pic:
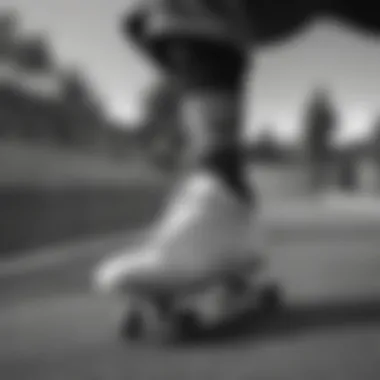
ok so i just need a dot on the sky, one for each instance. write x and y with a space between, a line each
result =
85 33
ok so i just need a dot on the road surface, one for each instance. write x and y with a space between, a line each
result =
328 260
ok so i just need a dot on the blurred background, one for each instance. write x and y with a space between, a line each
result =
89 151
87 147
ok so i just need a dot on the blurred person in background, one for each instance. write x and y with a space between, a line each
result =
320 126
348 170
376 153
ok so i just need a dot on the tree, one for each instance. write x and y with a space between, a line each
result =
9 97
75 87
82 113
8 33
33 53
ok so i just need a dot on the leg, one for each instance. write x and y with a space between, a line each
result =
215 208
211 113
212 74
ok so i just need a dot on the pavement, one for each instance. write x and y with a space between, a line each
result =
326 256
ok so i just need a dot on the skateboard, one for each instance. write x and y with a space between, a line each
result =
174 320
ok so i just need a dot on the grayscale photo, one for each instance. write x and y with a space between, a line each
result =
189 189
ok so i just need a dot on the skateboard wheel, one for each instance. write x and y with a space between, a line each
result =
147 322
187 325
133 325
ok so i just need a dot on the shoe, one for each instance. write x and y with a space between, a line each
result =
207 233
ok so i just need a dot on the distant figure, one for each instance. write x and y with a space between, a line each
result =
348 180
376 153
320 125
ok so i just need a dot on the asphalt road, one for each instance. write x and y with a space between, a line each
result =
327 259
